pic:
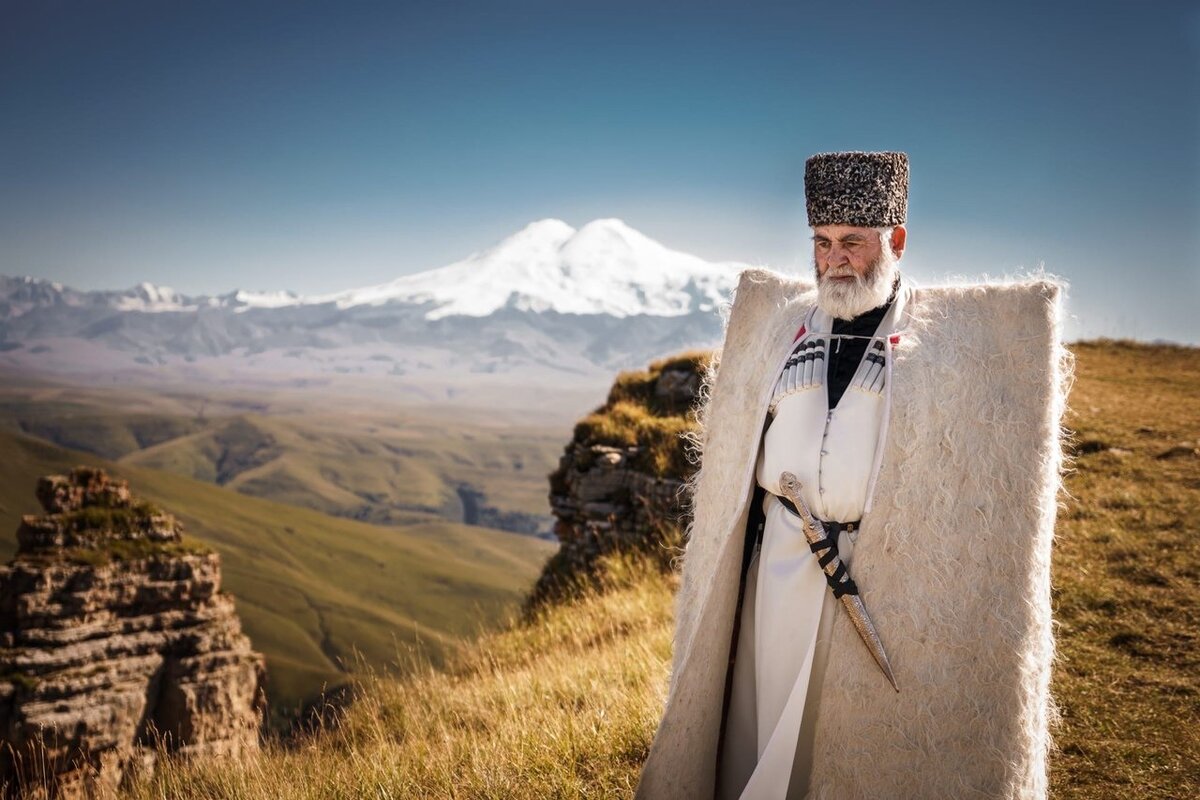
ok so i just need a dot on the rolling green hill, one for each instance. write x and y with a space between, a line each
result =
391 467
316 592
385 471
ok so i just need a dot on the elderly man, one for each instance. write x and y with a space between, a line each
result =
923 433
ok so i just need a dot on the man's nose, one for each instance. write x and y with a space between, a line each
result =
836 256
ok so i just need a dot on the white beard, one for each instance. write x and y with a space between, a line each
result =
846 300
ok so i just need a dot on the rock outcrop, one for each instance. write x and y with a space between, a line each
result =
620 482
115 640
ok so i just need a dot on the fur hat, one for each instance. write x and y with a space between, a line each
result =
869 190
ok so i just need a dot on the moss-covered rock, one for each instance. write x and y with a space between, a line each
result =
619 486
93 518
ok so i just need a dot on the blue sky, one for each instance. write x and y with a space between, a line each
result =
317 147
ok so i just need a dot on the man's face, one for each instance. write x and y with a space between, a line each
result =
855 272
844 252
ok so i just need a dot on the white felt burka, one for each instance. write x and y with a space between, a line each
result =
953 558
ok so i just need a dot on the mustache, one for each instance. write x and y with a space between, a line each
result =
841 272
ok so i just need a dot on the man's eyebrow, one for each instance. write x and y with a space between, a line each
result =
850 237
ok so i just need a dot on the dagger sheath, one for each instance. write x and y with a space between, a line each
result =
839 578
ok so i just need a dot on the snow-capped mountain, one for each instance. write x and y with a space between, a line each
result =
21 295
548 300
150 298
605 267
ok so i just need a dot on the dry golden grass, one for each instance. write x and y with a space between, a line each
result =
565 705
1127 578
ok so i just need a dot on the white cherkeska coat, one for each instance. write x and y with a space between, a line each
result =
788 610
953 558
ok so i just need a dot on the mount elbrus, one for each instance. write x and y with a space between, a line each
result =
547 305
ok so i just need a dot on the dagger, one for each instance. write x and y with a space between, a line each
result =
836 575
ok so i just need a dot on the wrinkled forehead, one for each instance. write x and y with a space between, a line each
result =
844 233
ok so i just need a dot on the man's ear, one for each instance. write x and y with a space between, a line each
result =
899 237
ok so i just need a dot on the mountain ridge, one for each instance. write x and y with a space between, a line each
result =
548 265
548 308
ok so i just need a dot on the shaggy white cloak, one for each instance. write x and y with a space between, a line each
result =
953 558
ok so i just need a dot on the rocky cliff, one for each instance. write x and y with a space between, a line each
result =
620 482
115 639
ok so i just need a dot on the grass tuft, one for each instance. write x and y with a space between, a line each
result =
638 415
626 425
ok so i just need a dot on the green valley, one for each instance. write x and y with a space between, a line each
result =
322 597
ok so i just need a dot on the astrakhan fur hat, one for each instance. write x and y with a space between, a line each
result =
868 190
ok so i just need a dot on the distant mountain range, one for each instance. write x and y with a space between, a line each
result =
549 303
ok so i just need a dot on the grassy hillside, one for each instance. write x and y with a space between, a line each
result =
387 466
390 471
565 705
317 593
1127 577
107 433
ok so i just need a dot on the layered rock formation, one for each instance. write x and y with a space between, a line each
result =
620 482
115 639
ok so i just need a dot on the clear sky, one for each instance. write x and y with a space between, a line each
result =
322 146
